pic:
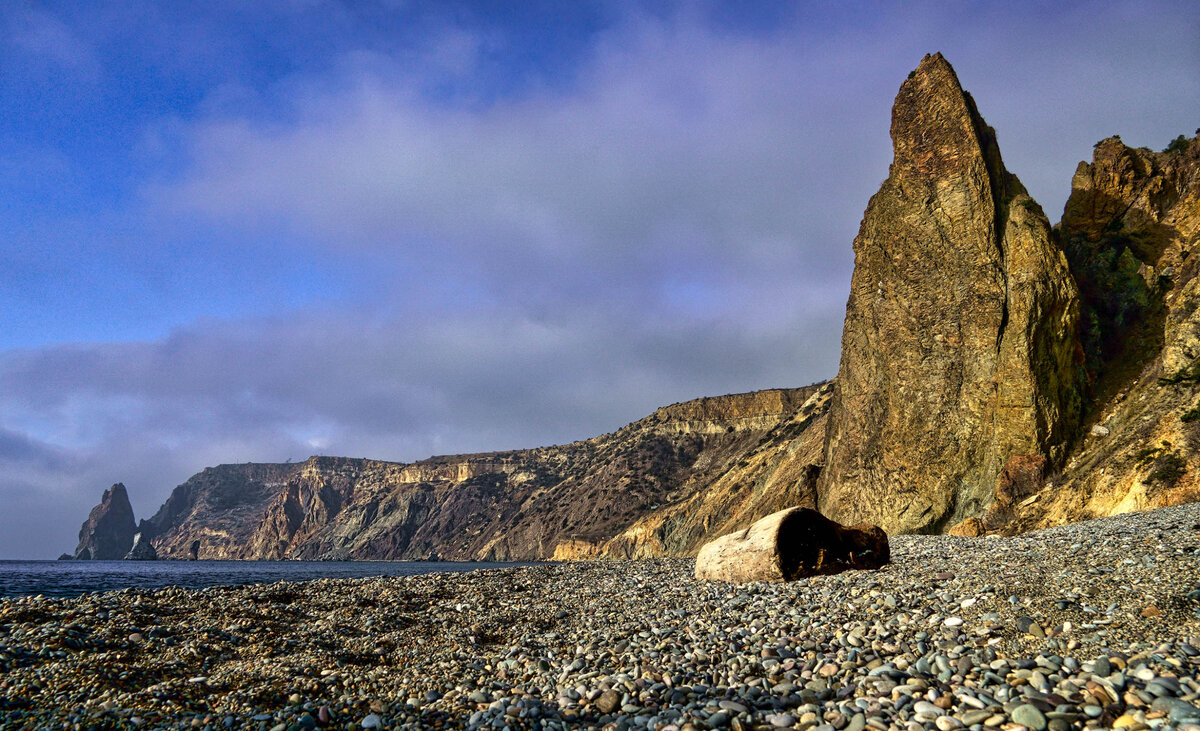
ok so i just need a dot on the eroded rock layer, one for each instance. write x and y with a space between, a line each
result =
959 346
585 498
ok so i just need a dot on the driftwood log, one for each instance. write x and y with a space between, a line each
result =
792 544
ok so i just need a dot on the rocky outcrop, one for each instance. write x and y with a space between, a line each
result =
959 345
714 461
143 549
996 375
779 471
219 507
1131 228
108 532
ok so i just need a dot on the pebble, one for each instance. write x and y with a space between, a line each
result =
1042 630
1029 716
608 701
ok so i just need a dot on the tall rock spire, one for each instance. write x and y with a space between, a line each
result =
959 349
108 532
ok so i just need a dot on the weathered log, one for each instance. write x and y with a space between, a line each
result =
792 544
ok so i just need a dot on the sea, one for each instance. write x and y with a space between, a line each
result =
73 578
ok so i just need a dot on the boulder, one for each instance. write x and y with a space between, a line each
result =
107 534
1022 477
970 528
142 549
792 544
959 347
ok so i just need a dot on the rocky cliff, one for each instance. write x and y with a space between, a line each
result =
1131 228
514 505
108 532
777 472
959 346
996 375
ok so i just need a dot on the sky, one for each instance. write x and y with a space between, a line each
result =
238 232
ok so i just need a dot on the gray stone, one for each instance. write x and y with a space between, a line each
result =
1029 716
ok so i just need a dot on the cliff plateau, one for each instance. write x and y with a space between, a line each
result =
566 500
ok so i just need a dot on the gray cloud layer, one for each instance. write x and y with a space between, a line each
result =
675 222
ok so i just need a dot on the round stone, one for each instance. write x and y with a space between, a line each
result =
1029 716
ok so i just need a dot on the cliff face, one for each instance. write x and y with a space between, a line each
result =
959 347
779 471
513 505
996 375
108 532
1132 229
219 507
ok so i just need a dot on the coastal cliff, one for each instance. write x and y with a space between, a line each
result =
1132 232
509 505
997 374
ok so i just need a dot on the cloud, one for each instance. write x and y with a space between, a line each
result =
47 39
151 414
531 254
677 151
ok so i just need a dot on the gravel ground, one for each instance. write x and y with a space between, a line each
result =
1092 625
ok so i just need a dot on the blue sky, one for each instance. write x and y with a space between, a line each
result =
259 231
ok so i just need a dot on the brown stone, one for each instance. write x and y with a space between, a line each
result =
959 345
1023 476
792 544
608 702
970 528
1151 611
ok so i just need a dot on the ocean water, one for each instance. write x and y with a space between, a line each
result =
72 578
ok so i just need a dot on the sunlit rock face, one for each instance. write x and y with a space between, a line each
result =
1131 229
658 486
959 348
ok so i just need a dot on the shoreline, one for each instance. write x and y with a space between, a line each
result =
1088 625
63 579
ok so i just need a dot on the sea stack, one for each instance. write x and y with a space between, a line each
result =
142 549
108 532
959 348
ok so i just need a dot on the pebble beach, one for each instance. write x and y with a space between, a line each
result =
1090 625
